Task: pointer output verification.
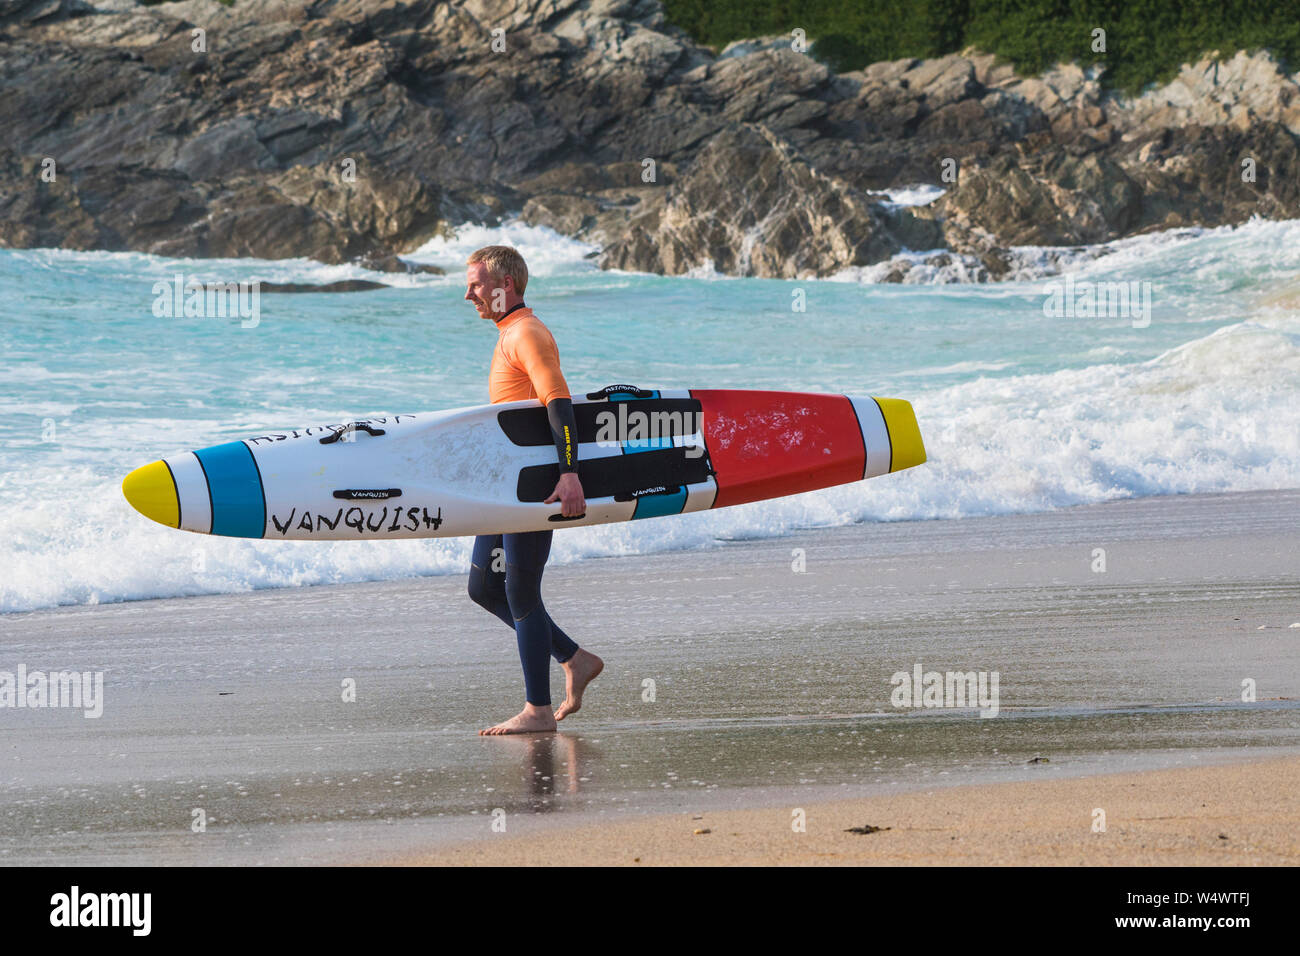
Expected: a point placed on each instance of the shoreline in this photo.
(732, 678)
(1237, 814)
(800, 534)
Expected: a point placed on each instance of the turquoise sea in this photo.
(1021, 411)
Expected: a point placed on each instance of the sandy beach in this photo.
(1234, 815)
(742, 681)
(915, 411)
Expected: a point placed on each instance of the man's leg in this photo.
(487, 589)
(526, 556)
(538, 638)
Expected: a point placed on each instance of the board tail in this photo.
(906, 448)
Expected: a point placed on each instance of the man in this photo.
(526, 364)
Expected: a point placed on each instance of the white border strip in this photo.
(192, 493)
(875, 436)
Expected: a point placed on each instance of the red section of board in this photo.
(769, 444)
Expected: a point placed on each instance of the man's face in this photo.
(487, 291)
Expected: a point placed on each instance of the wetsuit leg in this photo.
(562, 646)
(537, 636)
(487, 588)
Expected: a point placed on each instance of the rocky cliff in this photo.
(357, 129)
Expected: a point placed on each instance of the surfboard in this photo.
(642, 453)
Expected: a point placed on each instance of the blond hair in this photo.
(502, 261)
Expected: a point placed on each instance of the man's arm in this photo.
(564, 429)
(541, 360)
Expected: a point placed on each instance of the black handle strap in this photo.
(351, 426)
(609, 390)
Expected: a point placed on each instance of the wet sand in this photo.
(734, 681)
(1235, 815)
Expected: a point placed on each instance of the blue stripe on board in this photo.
(238, 504)
(656, 506)
(642, 444)
(647, 444)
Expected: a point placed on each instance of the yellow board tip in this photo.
(152, 492)
(905, 442)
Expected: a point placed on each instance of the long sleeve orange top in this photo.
(526, 361)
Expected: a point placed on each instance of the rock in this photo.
(584, 179)
(344, 285)
(750, 206)
(567, 214)
(389, 263)
(301, 212)
(898, 123)
(991, 71)
(1194, 175)
(780, 41)
(355, 130)
(943, 81)
(1048, 198)
(1058, 90)
(1244, 89)
(96, 208)
(27, 12)
(576, 199)
(885, 72)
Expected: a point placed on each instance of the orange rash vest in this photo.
(526, 361)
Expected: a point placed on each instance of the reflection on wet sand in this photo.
(548, 764)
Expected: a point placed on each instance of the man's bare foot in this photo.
(579, 671)
(530, 720)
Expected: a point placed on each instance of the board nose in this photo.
(151, 491)
(904, 433)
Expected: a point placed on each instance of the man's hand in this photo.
(569, 493)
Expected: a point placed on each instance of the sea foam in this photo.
(1019, 413)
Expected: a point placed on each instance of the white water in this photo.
(1020, 412)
